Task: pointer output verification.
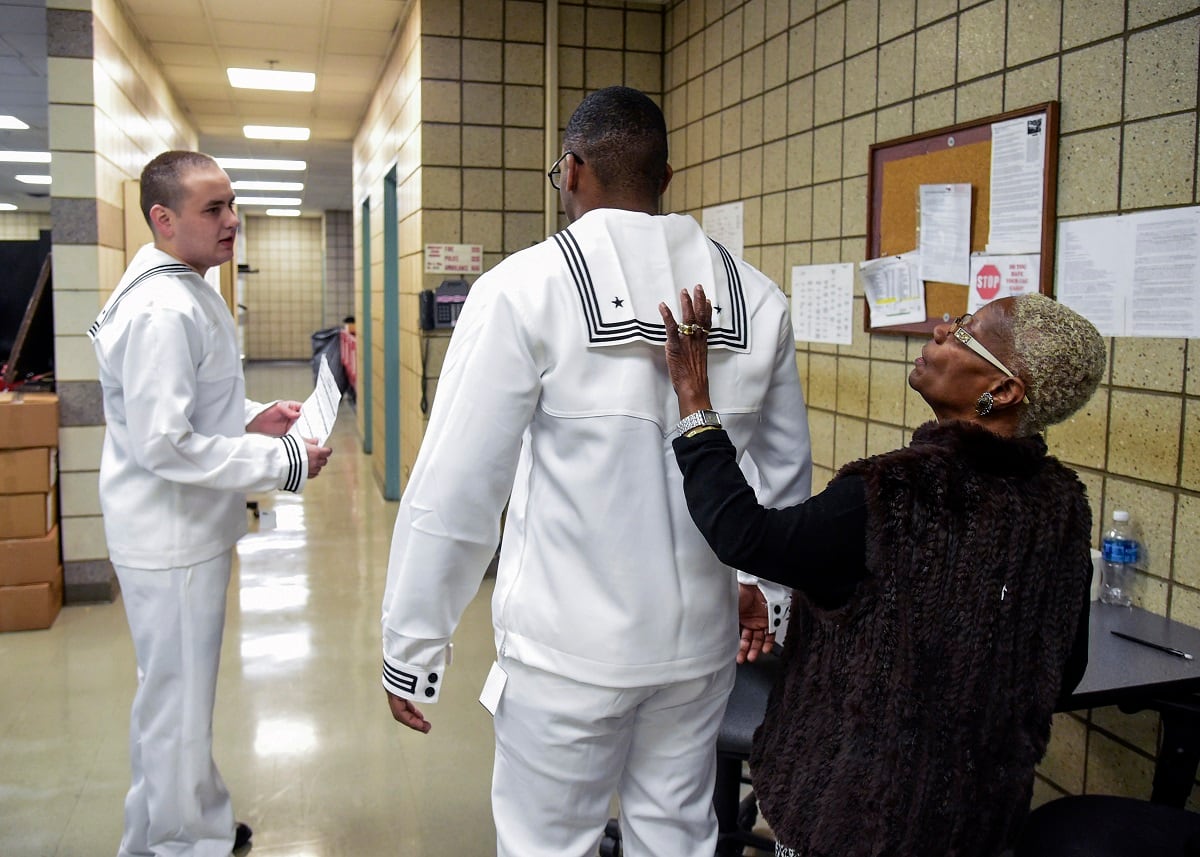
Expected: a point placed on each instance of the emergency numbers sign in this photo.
(453, 258)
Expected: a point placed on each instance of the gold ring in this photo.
(687, 329)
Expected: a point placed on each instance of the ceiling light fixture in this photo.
(275, 132)
(261, 78)
(254, 185)
(268, 200)
(30, 179)
(12, 123)
(261, 164)
(7, 206)
(283, 212)
(25, 157)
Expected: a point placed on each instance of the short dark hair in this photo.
(162, 179)
(621, 135)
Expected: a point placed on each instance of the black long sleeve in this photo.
(818, 546)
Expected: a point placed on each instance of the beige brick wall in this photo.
(775, 104)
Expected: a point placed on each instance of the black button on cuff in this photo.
(429, 692)
(433, 678)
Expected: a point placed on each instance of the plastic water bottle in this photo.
(1120, 550)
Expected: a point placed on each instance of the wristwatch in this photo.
(698, 419)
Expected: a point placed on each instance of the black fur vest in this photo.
(908, 723)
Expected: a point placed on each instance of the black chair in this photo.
(735, 817)
(1109, 826)
(747, 702)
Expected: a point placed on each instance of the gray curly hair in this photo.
(1059, 355)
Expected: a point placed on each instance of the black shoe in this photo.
(241, 837)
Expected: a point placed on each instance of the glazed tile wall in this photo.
(339, 267)
(22, 225)
(461, 114)
(284, 299)
(389, 138)
(110, 111)
(775, 104)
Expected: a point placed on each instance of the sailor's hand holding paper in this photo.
(277, 419)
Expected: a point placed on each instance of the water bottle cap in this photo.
(1120, 515)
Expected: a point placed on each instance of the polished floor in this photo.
(302, 732)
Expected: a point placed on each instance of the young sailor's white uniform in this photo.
(174, 468)
(616, 622)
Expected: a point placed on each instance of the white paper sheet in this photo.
(1018, 168)
(823, 303)
(725, 224)
(319, 411)
(1166, 273)
(996, 277)
(1134, 274)
(895, 292)
(946, 233)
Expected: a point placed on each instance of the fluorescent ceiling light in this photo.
(12, 123)
(268, 200)
(252, 185)
(261, 78)
(283, 212)
(25, 157)
(275, 132)
(260, 164)
(7, 206)
(28, 179)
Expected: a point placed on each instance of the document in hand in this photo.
(319, 411)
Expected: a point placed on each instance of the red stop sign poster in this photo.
(987, 282)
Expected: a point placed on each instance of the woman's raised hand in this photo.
(687, 349)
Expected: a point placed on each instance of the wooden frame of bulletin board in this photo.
(959, 154)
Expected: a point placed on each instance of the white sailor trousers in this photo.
(563, 748)
(177, 805)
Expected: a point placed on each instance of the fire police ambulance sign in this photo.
(995, 277)
(453, 258)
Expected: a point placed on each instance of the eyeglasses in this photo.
(556, 171)
(961, 333)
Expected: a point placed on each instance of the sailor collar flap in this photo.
(622, 264)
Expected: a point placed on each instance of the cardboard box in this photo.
(28, 471)
(24, 561)
(27, 516)
(28, 419)
(30, 607)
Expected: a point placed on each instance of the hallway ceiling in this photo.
(345, 42)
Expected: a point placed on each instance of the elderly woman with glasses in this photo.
(941, 591)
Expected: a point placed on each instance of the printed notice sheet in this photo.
(946, 233)
(1018, 169)
(319, 411)
(995, 277)
(823, 303)
(895, 292)
(725, 225)
(1133, 274)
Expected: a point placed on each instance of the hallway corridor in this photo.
(303, 736)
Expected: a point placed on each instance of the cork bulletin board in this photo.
(961, 154)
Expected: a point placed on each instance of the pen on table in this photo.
(1159, 646)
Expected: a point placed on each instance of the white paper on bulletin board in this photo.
(725, 224)
(823, 303)
(1015, 198)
